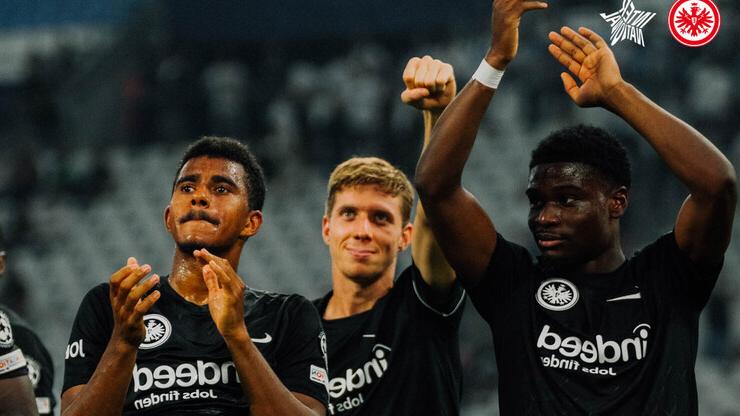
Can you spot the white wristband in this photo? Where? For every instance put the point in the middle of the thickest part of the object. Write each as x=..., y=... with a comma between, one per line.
x=488, y=75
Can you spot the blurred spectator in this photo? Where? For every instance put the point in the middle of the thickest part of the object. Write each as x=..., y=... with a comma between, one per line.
x=225, y=83
x=38, y=102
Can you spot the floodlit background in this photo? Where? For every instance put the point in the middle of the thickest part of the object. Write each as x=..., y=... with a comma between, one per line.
x=98, y=99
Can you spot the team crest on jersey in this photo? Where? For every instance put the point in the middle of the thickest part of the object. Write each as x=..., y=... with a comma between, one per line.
x=34, y=371
x=6, y=332
x=158, y=330
x=557, y=294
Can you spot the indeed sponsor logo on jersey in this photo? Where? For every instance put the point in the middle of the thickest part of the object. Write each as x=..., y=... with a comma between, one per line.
x=202, y=373
x=598, y=350
x=356, y=378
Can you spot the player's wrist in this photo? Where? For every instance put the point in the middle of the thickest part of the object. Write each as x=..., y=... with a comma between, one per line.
x=488, y=75
x=123, y=344
x=617, y=96
x=238, y=334
x=497, y=60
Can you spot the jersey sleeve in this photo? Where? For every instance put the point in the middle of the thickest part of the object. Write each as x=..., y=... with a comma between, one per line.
x=12, y=361
x=91, y=331
x=448, y=310
x=509, y=267
x=675, y=277
x=302, y=361
x=40, y=368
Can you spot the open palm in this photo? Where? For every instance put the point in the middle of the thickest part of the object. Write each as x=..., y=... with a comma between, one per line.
x=586, y=55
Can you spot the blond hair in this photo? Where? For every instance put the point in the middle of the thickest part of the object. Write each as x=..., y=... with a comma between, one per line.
x=358, y=171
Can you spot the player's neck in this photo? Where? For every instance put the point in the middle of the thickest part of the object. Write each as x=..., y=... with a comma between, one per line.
x=607, y=262
x=351, y=298
x=186, y=277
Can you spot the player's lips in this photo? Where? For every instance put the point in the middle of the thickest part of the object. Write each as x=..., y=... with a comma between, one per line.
x=360, y=252
x=548, y=240
x=198, y=216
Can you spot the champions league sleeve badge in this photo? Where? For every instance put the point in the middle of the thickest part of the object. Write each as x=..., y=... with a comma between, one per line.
x=694, y=22
x=6, y=332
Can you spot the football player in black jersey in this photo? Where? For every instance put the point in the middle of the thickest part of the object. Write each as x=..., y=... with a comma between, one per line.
x=16, y=391
x=584, y=330
x=210, y=345
x=392, y=342
x=38, y=361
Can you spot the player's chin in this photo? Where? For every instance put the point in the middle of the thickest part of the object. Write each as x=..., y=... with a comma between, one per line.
x=363, y=274
x=558, y=257
x=190, y=245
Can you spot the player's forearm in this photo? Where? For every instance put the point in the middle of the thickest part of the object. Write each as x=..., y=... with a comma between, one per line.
x=16, y=397
x=105, y=392
x=689, y=155
x=266, y=393
x=427, y=254
x=440, y=168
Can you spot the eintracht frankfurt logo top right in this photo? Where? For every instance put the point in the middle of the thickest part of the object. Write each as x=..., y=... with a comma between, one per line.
x=694, y=22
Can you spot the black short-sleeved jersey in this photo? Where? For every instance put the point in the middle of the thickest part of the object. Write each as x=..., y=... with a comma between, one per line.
x=12, y=361
x=184, y=367
x=38, y=361
x=399, y=358
x=619, y=343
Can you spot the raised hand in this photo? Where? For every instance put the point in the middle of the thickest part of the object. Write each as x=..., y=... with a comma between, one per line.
x=126, y=291
x=430, y=84
x=225, y=294
x=505, y=29
x=587, y=56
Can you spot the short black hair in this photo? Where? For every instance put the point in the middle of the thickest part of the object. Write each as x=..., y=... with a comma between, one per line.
x=2, y=240
x=234, y=150
x=589, y=145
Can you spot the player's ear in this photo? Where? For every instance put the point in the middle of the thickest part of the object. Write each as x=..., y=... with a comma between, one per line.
x=618, y=202
x=253, y=224
x=2, y=263
x=405, y=239
x=168, y=219
x=325, y=229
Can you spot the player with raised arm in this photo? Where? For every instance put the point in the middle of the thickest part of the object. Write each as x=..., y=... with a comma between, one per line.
x=583, y=329
x=198, y=341
x=392, y=343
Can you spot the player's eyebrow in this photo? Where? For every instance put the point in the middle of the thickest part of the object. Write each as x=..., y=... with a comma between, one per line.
x=188, y=178
x=223, y=179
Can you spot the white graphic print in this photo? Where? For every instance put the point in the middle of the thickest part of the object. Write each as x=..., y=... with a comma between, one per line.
x=6, y=332
x=633, y=296
x=264, y=340
x=75, y=350
x=356, y=379
x=34, y=371
x=627, y=23
x=591, y=356
x=158, y=330
x=557, y=294
x=200, y=374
